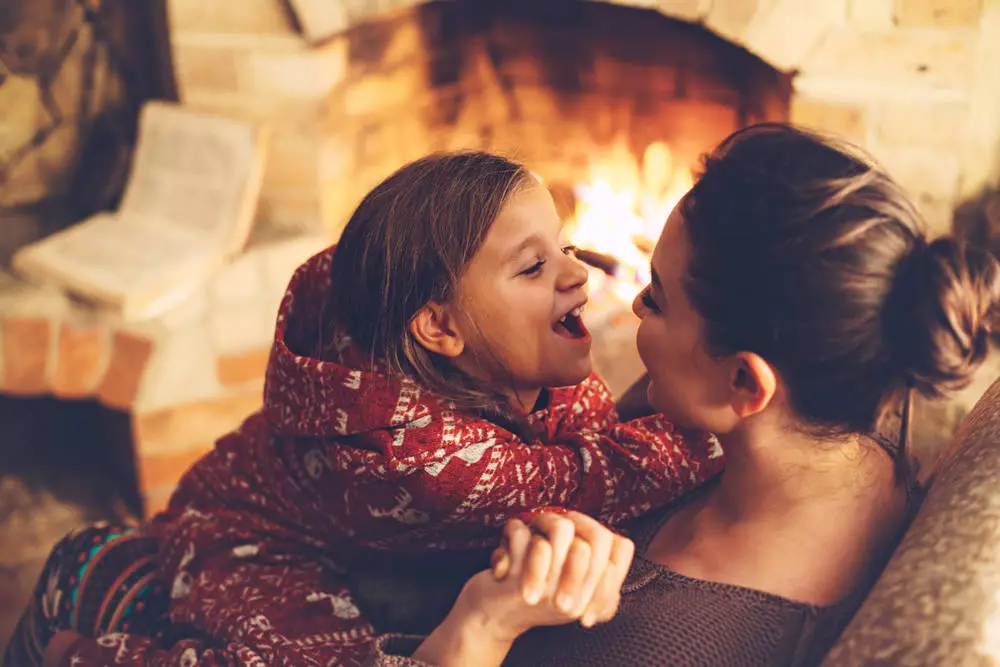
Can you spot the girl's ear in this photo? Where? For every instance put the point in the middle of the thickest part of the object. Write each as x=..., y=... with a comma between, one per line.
x=435, y=328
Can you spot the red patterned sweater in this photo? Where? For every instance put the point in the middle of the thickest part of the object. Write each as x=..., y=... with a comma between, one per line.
x=344, y=462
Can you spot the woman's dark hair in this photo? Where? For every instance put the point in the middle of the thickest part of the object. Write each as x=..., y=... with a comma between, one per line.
x=408, y=244
x=807, y=253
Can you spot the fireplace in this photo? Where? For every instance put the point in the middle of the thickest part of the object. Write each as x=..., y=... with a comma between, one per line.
x=610, y=103
x=610, y=106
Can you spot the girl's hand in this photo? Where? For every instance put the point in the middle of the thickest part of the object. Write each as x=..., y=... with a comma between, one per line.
x=561, y=569
x=582, y=589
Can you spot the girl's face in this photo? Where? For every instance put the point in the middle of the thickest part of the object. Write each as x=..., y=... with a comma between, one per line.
x=519, y=302
x=687, y=384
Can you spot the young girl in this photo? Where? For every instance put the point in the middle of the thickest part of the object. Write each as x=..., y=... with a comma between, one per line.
x=410, y=409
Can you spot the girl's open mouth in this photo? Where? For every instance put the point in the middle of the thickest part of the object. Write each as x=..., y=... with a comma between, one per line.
x=571, y=325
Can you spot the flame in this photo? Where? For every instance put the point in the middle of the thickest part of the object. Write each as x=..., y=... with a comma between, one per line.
x=621, y=211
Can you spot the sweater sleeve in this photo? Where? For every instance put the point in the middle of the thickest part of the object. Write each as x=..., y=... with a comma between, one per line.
x=458, y=493
x=395, y=651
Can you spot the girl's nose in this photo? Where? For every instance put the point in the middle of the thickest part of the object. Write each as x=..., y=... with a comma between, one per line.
x=573, y=274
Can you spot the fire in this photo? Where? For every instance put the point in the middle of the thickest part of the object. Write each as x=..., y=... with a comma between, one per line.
x=621, y=211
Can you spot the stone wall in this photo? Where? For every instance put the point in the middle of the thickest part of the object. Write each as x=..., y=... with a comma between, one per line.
x=912, y=80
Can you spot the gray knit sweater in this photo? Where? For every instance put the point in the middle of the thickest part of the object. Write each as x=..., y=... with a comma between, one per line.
x=669, y=619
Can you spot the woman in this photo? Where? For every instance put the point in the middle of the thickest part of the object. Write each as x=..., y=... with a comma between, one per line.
x=795, y=301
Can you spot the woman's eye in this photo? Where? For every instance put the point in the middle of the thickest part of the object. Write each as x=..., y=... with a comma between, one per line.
x=647, y=300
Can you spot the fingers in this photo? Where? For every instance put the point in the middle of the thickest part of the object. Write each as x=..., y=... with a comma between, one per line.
x=604, y=603
x=600, y=545
x=500, y=562
x=569, y=594
x=516, y=539
x=559, y=532
x=537, y=566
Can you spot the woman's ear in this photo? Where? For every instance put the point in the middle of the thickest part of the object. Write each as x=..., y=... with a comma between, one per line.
x=436, y=330
x=753, y=384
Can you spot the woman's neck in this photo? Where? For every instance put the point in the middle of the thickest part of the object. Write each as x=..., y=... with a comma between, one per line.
x=775, y=471
x=792, y=515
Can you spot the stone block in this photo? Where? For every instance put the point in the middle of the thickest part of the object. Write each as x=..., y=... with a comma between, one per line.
x=924, y=173
x=240, y=369
x=188, y=425
x=27, y=347
x=155, y=499
x=785, y=31
x=200, y=67
x=162, y=470
x=129, y=354
x=871, y=14
x=306, y=74
x=844, y=119
x=928, y=125
x=283, y=257
x=253, y=17
x=938, y=13
x=292, y=161
x=686, y=10
x=239, y=282
x=81, y=360
x=912, y=58
x=238, y=327
x=378, y=94
x=181, y=370
x=731, y=18
x=290, y=114
x=292, y=209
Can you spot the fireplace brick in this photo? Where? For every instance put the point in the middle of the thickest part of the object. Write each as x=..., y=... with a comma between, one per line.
x=732, y=19
x=159, y=470
x=688, y=10
x=27, y=343
x=938, y=13
x=129, y=355
x=917, y=59
x=871, y=14
x=787, y=30
x=207, y=67
x=236, y=370
x=82, y=358
x=222, y=16
x=846, y=119
x=938, y=127
x=187, y=425
x=302, y=73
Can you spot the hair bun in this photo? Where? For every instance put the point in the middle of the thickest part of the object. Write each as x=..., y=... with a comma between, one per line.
x=952, y=294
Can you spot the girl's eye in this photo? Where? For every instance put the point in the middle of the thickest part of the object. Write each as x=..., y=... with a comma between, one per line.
x=568, y=250
x=647, y=300
x=534, y=269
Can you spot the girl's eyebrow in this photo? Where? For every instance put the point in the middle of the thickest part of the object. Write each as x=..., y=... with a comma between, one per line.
x=534, y=239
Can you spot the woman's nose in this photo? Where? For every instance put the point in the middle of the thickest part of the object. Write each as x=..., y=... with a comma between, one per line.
x=638, y=307
x=573, y=274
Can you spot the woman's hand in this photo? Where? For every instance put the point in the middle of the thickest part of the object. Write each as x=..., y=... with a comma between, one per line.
x=558, y=569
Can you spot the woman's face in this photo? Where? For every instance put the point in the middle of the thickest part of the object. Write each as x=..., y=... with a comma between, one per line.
x=689, y=386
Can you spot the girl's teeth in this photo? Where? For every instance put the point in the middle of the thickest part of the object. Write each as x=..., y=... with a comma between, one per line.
x=576, y=311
